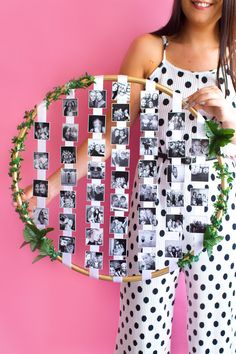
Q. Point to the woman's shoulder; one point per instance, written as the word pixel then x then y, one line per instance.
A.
pixel 143 56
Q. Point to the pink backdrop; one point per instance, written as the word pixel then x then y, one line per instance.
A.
pixel 46 308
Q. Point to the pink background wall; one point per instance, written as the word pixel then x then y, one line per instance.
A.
pixel 45 43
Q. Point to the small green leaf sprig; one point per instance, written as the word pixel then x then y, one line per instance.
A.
pixel 34 237
pixel 218 137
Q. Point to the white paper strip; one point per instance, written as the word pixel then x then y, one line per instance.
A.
pixel 116 279
pixel 177 102
pixel 66 259
pixel 173 264
pixel 98 111
pixel 146 274
pixel 94 248
pixel 150 85
pixel 98 85
pixel 94 273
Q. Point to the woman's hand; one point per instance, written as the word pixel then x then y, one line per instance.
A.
pixel 211 99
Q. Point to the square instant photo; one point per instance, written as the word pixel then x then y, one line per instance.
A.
pixel 95 192
pixel 40 188
pixel 147 168
pixel 120 112
pixel 94 236
pixel 94 214
pixel 68 154
pixel 96 170
pixel 119 202
pixel 148 99
pixel 173 249
pixel 120 136
pixel 70 107
pixel 176 148
pixel 96 147
pixel 175 173
pixel 121 91
pixel 41 131
pixel 67 244
pixel 148 146
pixel 200 173
pixel 147 238
pixel 176 120
pixel 148 193
pixel 67 222
pixel 198 224
pixel 120 158
pixel 149 121
pixel 120 179
pixel 97 99
pixel 118 225
pixel 117 247
pixel 41 160
pixel 118 268
pixel 68 177
pixel 41 216
pixel 96 123
pixel 174 223
pixel 70 132
pixel 199 197
pixel 147 216
pixel 147 260
pixel 174 198
pixel 93 260
pixel 67 199
pixel 199 147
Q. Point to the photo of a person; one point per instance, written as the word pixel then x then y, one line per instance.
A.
pixel 70 132
pixel 176 148
pixel 67 222
pixel 120 112
pixel 147 238
pixel 67 244
pixel 41 160
pixel 94 214
pixel 176 120
pixel 147 261
pixel 96 147
pixel 198 224
pixel 97 99
pixel 68 177
pixel 174 198
pixel 40 188
pixel 175 173
pixel 93 260
pixel 120 179
pixel 68 154
pixel 199 147
pixel 120 136
pixel 67 199
pixel 149 121
pixel 174 223
pixel 118 224
pixel 199 197
pixel 119 202
pixel 118 268
pixel 148 146
pixel 117 247
pixel 120 158
pixel 96 124
pixel 41 216
pixel 173 249
pixel 199 173
pixel 148 193
pixel 94 236
pixel 70 107
pixel 41 131
pixel 147 168
pixel 120 91
pixel 96 170
pixel 148 99
pixel 95 192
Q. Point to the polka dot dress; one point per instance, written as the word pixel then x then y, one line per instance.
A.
pixel 146 308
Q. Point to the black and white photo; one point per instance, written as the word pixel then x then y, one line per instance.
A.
pixel 95 192
pixel 93 260
pixel 148 99
pixel 176 148
pixel 120 179
pixel 68 154
pixel 148 193
pixel 120 112
pixel 174 223
pixel 41 160
pixel 117 247
pixel 119 202
pixel 118 268
pixel 118 225
pixel 198 224
pixel 67 222
pixel 147 260
pixel 94 214
pixel 148 146
pixel 147 168
pixel 121 91
pixel 199 197
pixel 40 188
pixel 67 199
pixel 94 236
pixel 149 121
pixel 175 173
pixel 41 131
pixel 119 136
pixel 96 123
pixel 67 244
pixel 173 249
pixel 146 238
pixel 96 170
pixel 96 147
pixel 97 98
pixel 176 120
pixel 147 216
pixel 70 132
pixel 199 147
pixel 68 177
pixel 120 158
pixel 70 107
pixel 41 216
pixel 199 173
pixel 174 198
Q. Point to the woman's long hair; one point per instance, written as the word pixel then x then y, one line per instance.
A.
pixel 227 30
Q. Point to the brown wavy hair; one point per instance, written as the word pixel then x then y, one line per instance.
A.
pixel 227 40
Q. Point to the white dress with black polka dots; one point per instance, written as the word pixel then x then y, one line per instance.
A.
pixel 146 308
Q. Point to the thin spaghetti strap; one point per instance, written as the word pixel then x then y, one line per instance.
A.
pixel 165 45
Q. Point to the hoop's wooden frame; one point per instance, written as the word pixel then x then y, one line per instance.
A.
pixel 84 271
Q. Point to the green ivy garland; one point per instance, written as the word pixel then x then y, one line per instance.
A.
pixel 37 238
